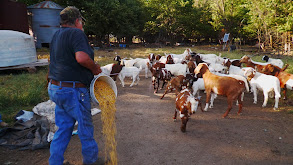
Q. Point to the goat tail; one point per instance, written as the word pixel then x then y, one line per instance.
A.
pixel 244 84
pixel 285 67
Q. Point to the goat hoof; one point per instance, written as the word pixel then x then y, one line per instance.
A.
pixel 174 120
pixel 239 113
pixel 276 109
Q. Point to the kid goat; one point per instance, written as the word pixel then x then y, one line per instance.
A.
pixel 227 86
pixel 186 104
pixel 263 82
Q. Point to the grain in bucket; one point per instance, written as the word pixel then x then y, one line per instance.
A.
pixel 104 92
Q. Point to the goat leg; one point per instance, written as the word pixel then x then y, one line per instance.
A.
pixel 175 115
pixel 207 100
pixel 240 101
pixel 164 82
pixel 285 93
pixel 230 101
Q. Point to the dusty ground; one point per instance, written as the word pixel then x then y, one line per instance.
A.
pixel 146 133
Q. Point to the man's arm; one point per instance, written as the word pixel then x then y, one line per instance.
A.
pixel 84 59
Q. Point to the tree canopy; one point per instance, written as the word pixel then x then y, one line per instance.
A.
pixel 184 20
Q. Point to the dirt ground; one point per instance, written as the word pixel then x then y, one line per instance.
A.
pixel 147 134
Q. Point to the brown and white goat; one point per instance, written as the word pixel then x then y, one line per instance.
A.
pixel 258 66
pixel 186 104
pixel 170 60
pixel 286 79
pixel 220 85
pixel 176 83
pixel 161 75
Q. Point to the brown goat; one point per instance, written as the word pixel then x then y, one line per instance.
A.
pixel 178 83
pixel 220 85
pixel 249 63
pixel 116 69
pixel 286 79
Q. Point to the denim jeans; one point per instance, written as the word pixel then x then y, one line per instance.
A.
pixel 0 118
pixel 72 104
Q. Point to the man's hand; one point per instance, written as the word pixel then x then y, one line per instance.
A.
pixel 98 70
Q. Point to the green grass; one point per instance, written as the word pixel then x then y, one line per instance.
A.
pixel 23 91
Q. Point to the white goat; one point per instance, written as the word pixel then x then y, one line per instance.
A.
pixel 177 69
pixel 180 56
pixel 143 63
pixel 265 83
pixel 128 63
pixel 107 69
pixel 277 62
pixel 132 72
pixel 197 86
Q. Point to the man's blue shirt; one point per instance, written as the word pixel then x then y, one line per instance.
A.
pixel 63 65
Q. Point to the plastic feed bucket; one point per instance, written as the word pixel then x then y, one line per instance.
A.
pixel 105 78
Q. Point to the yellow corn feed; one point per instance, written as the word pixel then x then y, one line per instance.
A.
pixel 106 98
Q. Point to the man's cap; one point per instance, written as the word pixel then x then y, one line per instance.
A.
pixel 70 14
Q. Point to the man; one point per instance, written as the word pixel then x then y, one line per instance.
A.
pixel 71 70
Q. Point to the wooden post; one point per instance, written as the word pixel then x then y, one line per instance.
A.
pixel 271 41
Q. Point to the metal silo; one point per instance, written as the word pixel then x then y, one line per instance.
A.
pixel 16 48
pixel 45 21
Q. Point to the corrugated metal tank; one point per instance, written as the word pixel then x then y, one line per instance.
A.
pixel 45 21
pixel 13 16
pixel 16 48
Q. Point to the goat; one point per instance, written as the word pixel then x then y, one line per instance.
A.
pixel 277 62
pixel 176 83
pixel 227 86
pixel 163 75
pixel 235 62
pixel 186 104
pixel 197 86
pixel 112 70
pixel 118 59
pixel 152 57
pixel 132 72
pixel 183 55
pixel 258 66
pixel 286 79
pixel 128 63
pixel 143 63
pixel 170 60
pixel 265 83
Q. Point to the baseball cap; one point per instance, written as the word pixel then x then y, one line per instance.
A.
pixel 69 14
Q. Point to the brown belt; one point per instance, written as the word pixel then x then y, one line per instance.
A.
pixel 68 84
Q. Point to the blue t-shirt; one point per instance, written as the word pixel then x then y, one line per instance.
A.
pixel 63 65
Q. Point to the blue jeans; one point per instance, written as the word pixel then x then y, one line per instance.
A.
pixel 0 118
pixel 72 104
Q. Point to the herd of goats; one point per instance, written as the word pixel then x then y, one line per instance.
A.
pixel 191 72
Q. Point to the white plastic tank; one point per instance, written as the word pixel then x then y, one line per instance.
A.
pixel 16 48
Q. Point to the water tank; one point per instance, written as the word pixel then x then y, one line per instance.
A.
pixel 45 21
pixel 16 48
